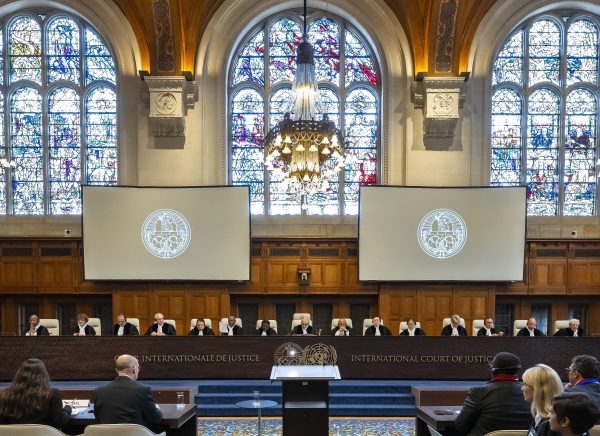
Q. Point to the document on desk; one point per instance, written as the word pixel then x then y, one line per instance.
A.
pixel 77 406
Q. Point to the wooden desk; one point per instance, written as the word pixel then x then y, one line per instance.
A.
pixel 179 422
pixel 162 395
pixel 443 423
pixel 439 396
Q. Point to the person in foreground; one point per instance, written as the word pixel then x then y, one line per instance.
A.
pixel 574 329
pixel 124 400
pixel 201 329
pixel 488 329
pixel 35 328
pixel 497 405
pixel 377 329
pixel 304 328
pixel 540 385
pixel 412 329
pixel 583 377
pixel 82 328
pixel 160 327
pixel 265 329
pixel 124 328
pixel 30 400
pixel 454 328
pixel 342 329
pixel 573 414
pixel 531 329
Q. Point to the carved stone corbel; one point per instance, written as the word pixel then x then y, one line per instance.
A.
pixel 170 98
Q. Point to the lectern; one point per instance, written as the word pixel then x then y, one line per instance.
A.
pixel 305 397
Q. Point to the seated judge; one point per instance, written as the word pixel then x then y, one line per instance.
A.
pixel 201 329
pixel 35 328
pixel 412 329
pixel 160 327
pixel 342 329
pixel 265 329
pixel 454 328
pixel 232 329
pixel 488 329
pixel 304 328
pixel 82 328
pixel 124 328
pixel 377 329
pixel 530 329
pixel 574 329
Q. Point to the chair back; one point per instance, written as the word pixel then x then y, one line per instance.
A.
pixel 508 433
pixel 404 326
pixel 594 431
pixel 518 325
pixel 297 322
pixel 135 322
pixel 299 315
pixel 272 322
pixel 118 429
pixel 368 322
pixel 477 325
pixel 172 322
pixel 334 322
pixel 238 321
pixel 446 321
pixel 561 324
pixel 207 323
pixel 29 430
pixel 52 324
pixel 97 324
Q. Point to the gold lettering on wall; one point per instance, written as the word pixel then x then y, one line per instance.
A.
pixel 197 358
pixel 434 359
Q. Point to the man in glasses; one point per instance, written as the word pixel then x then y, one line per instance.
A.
pixel 160 327
pixel 583 377
pixel 574 329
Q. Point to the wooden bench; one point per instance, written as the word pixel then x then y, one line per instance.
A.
pixel 439 395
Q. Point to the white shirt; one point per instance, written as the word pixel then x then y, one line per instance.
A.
pixel 230 330
pixel 531 332
pixel 575 333
pixel 121 330
pixel 200 332
pixel 341 333
pixel 411 332
pixel 264 333
pixel 304 330
pixel 377 332
pixel 82 330
pixel 454 331
pixel 159 328
pixel 34 333
pixel 488 332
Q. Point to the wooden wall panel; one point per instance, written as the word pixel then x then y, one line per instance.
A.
pixel 172 303
pixel 56 274
pixel 548 276
pixel 135 304
pixel 434 304
pixel 17 274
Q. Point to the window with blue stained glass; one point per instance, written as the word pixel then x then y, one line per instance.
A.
pixel 544 108
pixel 60 83
pixel 260 93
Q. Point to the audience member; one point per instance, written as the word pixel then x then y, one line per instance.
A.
pixel 29 399
pixel 412 329
pixel 265 329
pixel 232 329
pixel 497 405
pixel 82 328
pixel 574 329
pixel 573 414
pixel 124 400
pixel 454 328
pixel 377 329
pixel 304 328
pixel 342 329
pixel 201 329
pixel 583 377
pixel 35 328
pixel 160 327
pixel 530 329
pixel 124 328
pixel 488 329
pixel 540 385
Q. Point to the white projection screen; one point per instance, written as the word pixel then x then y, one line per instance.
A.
pixel 442 234
pixel 148 233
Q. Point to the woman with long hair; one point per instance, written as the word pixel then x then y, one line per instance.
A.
pixel 30 400
pixel 540 384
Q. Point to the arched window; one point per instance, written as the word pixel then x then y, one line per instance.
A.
pixel 260 82
pixel 58 113
pixel 544 114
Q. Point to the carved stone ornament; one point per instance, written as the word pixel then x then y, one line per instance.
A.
pixel 170 98
pixel 440 98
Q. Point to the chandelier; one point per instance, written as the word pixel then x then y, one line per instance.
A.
pixel 305 153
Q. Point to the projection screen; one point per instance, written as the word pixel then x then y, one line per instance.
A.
pixel 442 234
pixel 148 233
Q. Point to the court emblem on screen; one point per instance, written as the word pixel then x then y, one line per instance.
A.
pixel 166 233
pixel 442 233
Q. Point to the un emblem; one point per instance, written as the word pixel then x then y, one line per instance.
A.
pixel 166 233
pixel 442 233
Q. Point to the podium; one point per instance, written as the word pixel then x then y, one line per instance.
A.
pixel 305 397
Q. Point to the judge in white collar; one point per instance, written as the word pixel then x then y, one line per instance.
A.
pixel 488 329
pixel 160 327
pixel 35 328
pixel 82 328
pixel 232 329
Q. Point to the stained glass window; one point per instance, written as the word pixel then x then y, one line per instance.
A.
pixel 59 99
pixel 260 93
pixel 543 114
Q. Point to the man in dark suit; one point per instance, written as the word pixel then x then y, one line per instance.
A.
pixel 531 329
pixel 497 405
pixel 124 328
pixel 232 329
pixel 342 329
pixel 304 328
pixel 265 329
pixel 124 400
pixel 583 377
pixel 377 329
pixel 160 327
pixel 488 329
pixel 574 329
pixel 454 328
pixel 82 328
pixel 201 329
pixel 35 328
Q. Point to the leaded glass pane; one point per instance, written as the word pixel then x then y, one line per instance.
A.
pixel 579 177
pixel 360 66
pixel 250 64
pixel 542 153
pixel 582 52
pixel 1 58
pixel 27 151
pixel 324 35
pixel 329 105
pixel 544 52
pixel 99 64
pixel 63 50
pixel 64 151
pixel 506 138
pixel 3 177
pixel 280 103
pixel 284 38
pixel 101 136
pixel 247 151
pixel 25 48
pixel 508 66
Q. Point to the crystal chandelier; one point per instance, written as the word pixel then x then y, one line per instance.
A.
pixel 305 153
